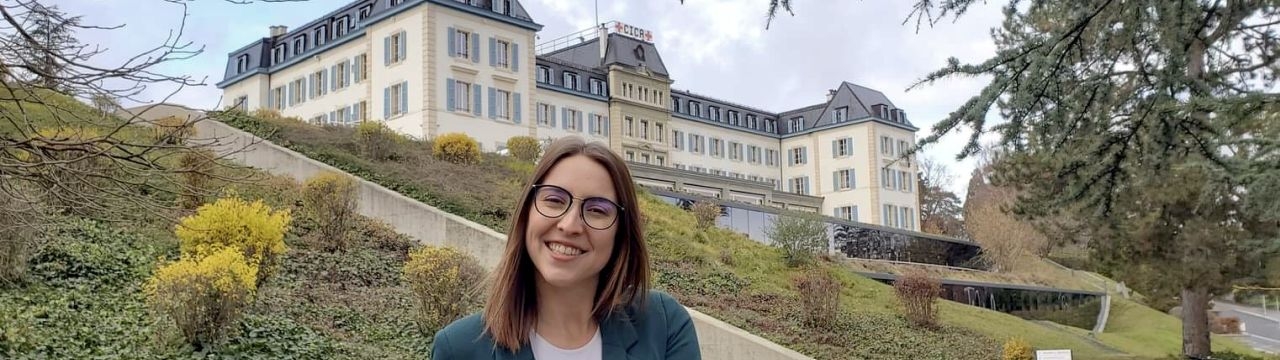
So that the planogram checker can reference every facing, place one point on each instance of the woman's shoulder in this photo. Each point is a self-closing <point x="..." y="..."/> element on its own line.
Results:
<point x="462" y="336"/>
<point x="661" y="304"/>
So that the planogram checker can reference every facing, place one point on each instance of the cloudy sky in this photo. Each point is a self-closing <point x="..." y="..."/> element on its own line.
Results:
<point x="714" y="47"/>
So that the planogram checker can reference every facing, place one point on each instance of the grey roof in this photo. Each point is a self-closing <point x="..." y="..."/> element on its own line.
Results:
<point x="624" y="50"/>
<point x="684" y="97"/>
<point x="584" y="55"/>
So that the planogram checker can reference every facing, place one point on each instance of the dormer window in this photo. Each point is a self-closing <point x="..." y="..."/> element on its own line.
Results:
<point x="796" y="124"/>
<point x="341" y="26"/>
<point x="842" y="114"/>
<point x="366" y="11"/>
<point x="544" y="74"/>
<point x="321" y="35"/>
<point x="299" y="44"/>
<point x="902" y="116"/>
<point x="570" y="80"/>
<point x="502" y="7"/>
<point x="639" y="51"/>
<point x="242" y="63"/>
<point x="277" y="54"/>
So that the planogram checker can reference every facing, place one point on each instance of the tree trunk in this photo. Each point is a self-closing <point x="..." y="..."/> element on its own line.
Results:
<point x="1195" y="323"/>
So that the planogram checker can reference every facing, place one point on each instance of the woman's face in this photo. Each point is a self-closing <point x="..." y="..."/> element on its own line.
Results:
<point x="572" y="223"/>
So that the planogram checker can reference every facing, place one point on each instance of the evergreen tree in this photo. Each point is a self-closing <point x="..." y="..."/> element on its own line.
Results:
<point x="48" y="43"/>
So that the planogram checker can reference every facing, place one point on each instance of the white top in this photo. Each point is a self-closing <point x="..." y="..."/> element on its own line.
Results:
<point x="543" y="350"/>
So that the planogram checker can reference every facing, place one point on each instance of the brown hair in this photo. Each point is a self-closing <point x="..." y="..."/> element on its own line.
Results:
<point x="511" y="309"/>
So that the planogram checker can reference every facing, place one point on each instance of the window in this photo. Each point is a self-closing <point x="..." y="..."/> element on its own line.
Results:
<point x="908" y="181"/>
<point x="842" y="114"/>
<point x="735" y="151"/>
<point x="242" y="63"/>
<point x="317" y="84"/>
<point x="800" y="185"/>
<point x="886" y="146"/>
<point x="396" y="2"/>
<point x="631" y="155"/>
<point x="321" y="35"/>
<point x="546" y="112"/>
<point x="572" y="120"/>
<point x="277" y="99"/>
<point x="675" y="104"/>
<point x="716" y="149"/>
<point x="366" y="11"/>
<point x="544" y="74"/>
<point x="341" y="75"/>
<point x="659" y="132"/>
<point x="341" y="26"/>
<point x="502" y="104"/>
<point x="297" y="92"/>
<point x="644" y="129"/>
<point x="717" y="172"/>
<point x="771" y="157"/>
<point x="598" y="125"/>
<point x="462" y="96"/>
<point x="753" y="122"/>
<point x="902" y="148"/>
<point x="677" y="139"/>
<point x="359" y="68"/>
<point x="753" y="154"/>
<point x="798" y="156"/>
<point x="241" y="103"/>
<point x="570" y="80"/>
<point x="795" y="124"/>
<point x="845" y="212"/>
<point x="842" y="147"/>
<point x="461" y="44"/>
<point x="887" y="215"/>
<point x="659" y="160"/>
<point x="597" y="87"/>
<point x="299" y="44"/>
<point x="502" y="53"/>
<point x="696" y="144"/>
<point x="734" y="119"/>
<point x="714" y="113"/>
<point x="695" y="108"/>
<point x="770" y="125"/>
<point x="399" y="102"/>
<point x="644" y="158"/>
<point x="277" y="54"/>
<point x="396" y="48"/>
<point x="629" y="127"/>
<point x="843" y="180"/>
<point x="502" y="6"/>
<point x="359" y="110"/>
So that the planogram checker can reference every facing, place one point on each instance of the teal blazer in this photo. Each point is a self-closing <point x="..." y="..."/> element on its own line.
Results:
<point x="662" y="330"/>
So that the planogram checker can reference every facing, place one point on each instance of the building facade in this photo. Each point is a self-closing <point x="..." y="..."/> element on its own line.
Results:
<point x="430" y="67"/>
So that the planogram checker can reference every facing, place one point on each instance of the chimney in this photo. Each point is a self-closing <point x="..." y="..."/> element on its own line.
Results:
<point x="602" y="33"/>
<point x="279" y="30"/>
<point x="831" y="94"/>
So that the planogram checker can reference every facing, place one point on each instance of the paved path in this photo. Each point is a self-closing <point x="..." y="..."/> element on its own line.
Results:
<point x="1262" y="331"/>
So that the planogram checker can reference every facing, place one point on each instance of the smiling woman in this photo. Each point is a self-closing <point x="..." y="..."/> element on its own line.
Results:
<point x="574" y="279"/>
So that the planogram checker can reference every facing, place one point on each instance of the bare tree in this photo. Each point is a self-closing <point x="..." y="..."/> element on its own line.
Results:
<point x="940" y="211"/>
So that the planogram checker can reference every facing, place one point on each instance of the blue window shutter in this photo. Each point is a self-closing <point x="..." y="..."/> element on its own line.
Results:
<point x="515" y="107"/>
<point x="606" y="126"/>
<point x="289" y="94"/>
<point x="453" y="48"/>
<point x="351" y="72"/>
<point x="579" y="121"/>
<point x="404" y="97"/>
<point x="449" y="94"/>
<point x="386" y="103"/>
<point x="475" y="107"/>
<point x="493" y="103"/>
<point x="475" y="48"/>
<point x="564" y="118"/>
<point x="404" y="47"/>
<point x="591" y="124"/>
<point x="359" y="64"/>
<point x="270" y="100"/>
<point x="333" y="116"/>
<point x="552" y="110"/>
<point x="835" y="180"/>
<point x="311" y="85"/>
<point x="515" y="57"/>
<point x="493" y="51"/>
<point x="835" y="148"/>
<point x="326" y="82"/>
<point x="386" y="51"/>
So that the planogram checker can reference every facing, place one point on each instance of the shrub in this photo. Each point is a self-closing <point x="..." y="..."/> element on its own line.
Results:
<point x="800" y="236"/>
<point x="918" y="292"/>
<point x="705" y="212"/>
<point x="196" y="166"/>
<point x="77" y="170"/>
<point x="18" y="242"/>
<point x="525" y="148"/>
<point x="377" y="141"/>
<point x="457" y="148"/>
<point x="443" y="282"/>
<point x="203" y="296"/>
<point x="173" y="130"/>
<point x="819" y="299"/>
<point x="1017" y="349"/>
<point x="329" y="200"/>
<point x="231" y="222"/>
<point x="1225" y="325"/>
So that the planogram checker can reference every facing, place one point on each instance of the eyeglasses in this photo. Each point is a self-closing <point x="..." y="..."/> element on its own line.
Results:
<point x="554" y="201"/>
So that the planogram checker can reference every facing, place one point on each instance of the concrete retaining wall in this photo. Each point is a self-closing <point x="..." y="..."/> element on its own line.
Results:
<point x="429" y="225"/>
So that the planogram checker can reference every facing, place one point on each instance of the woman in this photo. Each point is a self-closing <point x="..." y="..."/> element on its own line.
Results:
<point x="574" y="279"/>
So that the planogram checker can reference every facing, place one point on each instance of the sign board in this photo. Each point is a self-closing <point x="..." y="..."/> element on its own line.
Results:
<point x="1053" y="354"/>
<point x="633" y="32"/>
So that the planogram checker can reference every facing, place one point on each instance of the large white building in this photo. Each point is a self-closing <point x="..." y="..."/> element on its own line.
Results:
<point x="430" y="67"/>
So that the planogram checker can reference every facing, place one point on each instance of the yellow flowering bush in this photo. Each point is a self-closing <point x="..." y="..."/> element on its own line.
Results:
<point x="444" y="283"/>
<point x="173" y="130"/>
<point x="329" y="201"/>
<point x="457" y="148"/>
<point x="1017" y="349"/>
<point x="252" y="227"/>
<point x="203" y="296"/>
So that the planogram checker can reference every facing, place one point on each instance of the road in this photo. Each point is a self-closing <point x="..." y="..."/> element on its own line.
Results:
<point x="1262" y="330"/>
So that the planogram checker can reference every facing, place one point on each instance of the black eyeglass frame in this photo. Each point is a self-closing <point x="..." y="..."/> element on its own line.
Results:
<point x="533" y="190"/>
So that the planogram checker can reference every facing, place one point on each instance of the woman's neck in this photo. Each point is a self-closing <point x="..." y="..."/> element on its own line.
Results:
<point x="564" y="314"/>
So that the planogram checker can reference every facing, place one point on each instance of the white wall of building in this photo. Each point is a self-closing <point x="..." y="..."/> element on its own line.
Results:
<point x="560" y="101"/>
<point x="723" y="162"/>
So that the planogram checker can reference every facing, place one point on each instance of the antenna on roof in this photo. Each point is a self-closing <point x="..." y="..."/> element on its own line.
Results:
<point x="597" y="2"/>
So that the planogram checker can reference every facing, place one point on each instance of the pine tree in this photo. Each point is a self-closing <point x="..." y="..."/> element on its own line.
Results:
<point x="48" y="43"/>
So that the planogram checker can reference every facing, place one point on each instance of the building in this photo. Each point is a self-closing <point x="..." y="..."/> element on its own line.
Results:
<point x="430" y="67"/>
